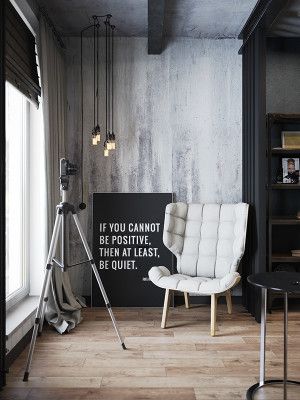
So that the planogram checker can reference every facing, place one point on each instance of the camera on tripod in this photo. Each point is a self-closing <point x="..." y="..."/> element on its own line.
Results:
<point x="66" y="169"/>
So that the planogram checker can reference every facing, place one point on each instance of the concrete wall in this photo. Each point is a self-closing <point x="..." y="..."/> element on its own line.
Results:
<point x="177" y="120"/>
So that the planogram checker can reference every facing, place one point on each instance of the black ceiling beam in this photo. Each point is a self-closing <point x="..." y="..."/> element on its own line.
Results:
<point x="156" y="16"/>
<point x="263" y="15"/>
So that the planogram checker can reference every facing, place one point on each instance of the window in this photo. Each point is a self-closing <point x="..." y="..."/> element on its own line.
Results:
<point x="17" y="192"/>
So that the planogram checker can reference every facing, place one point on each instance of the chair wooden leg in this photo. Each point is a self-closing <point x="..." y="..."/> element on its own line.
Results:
<point x="213" y="317"/>
<point x="228" y="301"/>
<point x="166" y="308"/>
<point x="186" y="300"/>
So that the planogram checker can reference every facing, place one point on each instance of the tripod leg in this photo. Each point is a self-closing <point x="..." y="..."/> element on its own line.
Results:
<point x="44" y="293"/>
<point x="62" y="228"/>
<point x="94" y="268"/>
<point x="43" y="313"/>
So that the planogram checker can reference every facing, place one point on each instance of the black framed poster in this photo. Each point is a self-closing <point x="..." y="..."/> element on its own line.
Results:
<point x="127" y="242"/>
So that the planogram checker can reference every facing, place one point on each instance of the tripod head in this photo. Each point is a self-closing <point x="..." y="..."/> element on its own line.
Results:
<point x="66" y="169"/>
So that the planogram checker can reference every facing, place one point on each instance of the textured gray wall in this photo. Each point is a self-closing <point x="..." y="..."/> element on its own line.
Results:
<point x="177" y="121"/>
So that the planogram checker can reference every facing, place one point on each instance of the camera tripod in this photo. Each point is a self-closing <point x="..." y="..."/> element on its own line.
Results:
<point x="62" y="211"/>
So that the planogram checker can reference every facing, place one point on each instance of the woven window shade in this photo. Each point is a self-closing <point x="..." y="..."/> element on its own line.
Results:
<point x="20" y="55"/>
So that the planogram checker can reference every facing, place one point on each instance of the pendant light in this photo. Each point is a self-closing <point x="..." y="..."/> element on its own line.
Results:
<point x="107" y="145"/>
<point x="96" y="132"/>
<point x="112" y="138"/>
<point x="109" y="142"/>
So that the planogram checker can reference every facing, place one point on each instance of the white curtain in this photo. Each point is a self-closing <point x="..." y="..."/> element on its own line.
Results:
<point x="63" y="308"/>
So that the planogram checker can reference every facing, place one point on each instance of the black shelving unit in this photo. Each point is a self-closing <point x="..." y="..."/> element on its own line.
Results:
<point x="283" y="200"/>
<point x="270" y="85"/>
<point x="2" y="198"/>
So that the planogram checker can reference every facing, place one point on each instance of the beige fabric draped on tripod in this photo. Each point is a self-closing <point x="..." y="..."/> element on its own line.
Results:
<point x="63" y="308"/>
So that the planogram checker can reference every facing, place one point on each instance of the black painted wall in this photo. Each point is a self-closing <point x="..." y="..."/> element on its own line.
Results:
<point x="254" y="163"/>
<point x="2" y="199"/>
<point x="283" y="75"/>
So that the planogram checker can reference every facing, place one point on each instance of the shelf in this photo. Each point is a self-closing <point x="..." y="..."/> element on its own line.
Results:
<point x="285" y="186"/>
<point x="285" y="257"/>
<point x="284" y="118"/>
<point x="289" y="220"/>
<point x="283" y="232"/>
<point x="281" y="151"/>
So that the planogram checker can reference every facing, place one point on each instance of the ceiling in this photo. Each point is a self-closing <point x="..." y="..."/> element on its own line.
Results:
<point x="287" y="23"/>
<point x="184" y="18"/>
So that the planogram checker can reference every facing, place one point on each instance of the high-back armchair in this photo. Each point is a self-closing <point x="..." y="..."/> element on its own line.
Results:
<point x="208" y="241"/>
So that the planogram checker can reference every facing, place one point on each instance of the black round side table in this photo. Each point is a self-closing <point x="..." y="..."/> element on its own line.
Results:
<point x="287" y="283"/>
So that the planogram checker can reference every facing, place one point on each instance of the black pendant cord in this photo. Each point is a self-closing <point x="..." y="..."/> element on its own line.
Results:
<point x="94" y="73"/>
<point x="81" y="81"/>
<point x="106" y="77"/>
<point x="82" y="205"/>
<point x="112" y="79"/>
<point x="97" y="90"/>
<point x="109" y="80"/>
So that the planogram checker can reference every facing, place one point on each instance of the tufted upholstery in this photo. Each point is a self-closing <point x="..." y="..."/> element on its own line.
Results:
<point x="208" y="241"/>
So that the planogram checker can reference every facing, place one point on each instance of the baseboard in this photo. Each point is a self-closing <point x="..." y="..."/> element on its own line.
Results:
<point x="278" y="304"/>
<point x="88" y="300"/>
<point x="17" y="350"/>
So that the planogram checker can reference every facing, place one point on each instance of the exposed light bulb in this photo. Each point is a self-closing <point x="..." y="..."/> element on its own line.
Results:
<point x="97" y="132"/>
<point x="96" y="137"/>
<point x="106" y="149"/>
<point x="108" y="143"/>
<point x="112" y="141"/>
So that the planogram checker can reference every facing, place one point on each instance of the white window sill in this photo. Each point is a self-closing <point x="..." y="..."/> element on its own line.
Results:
<point x="19" y="320"/>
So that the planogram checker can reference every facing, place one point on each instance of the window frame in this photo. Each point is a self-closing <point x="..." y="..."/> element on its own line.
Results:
<point x="18" y="295"/>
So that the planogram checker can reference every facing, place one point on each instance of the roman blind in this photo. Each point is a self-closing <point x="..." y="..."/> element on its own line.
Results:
<point x="20" y="55"/>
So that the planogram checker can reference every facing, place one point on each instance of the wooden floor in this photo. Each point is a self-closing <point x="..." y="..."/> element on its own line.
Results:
<point x="181" y="362"/>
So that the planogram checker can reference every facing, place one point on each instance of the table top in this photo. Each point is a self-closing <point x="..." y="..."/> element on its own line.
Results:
<point x="279" y="281"/>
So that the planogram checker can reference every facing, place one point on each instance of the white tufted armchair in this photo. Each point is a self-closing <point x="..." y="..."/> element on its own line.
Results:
<point x="208" y="241"/>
